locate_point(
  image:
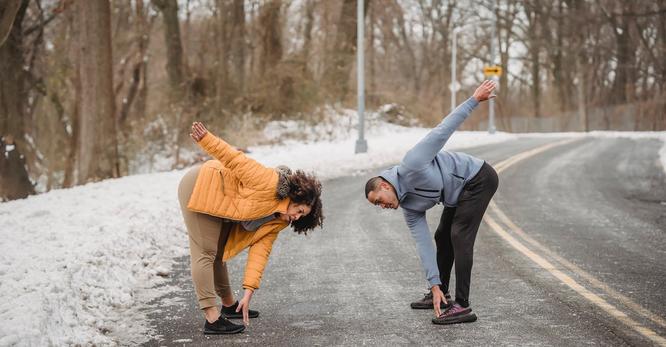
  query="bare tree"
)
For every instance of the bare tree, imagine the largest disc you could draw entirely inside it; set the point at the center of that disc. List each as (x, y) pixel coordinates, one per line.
(237, 44)
(97, 145)
(534, 42)
(622, 25)
(271, 44)
(8, 11)
(338, 68)
(174, 66)
(14, 179)
(307, 34)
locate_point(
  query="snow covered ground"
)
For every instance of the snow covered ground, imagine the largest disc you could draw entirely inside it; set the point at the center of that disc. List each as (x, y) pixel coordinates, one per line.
(78, 266)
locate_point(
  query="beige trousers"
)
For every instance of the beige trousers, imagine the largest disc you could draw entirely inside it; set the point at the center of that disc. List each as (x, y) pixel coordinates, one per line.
(207, 235)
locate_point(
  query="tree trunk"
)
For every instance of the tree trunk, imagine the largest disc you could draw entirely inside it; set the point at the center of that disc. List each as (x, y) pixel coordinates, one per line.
(97, 147)
(307, 34)
(534, 21)
(624, 84)
(174, 67)
(223, 84)
(559, 66)
(271, 45)
(14, 181)
(505, 35)
(8, 11)
(372, 85)
(238, 44)
(341, 60)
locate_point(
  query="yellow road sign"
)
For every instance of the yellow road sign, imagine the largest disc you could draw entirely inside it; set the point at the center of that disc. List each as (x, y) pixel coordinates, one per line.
(494, 70)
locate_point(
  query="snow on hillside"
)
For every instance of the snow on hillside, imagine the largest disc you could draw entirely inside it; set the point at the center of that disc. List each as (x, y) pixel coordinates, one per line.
(78, 266)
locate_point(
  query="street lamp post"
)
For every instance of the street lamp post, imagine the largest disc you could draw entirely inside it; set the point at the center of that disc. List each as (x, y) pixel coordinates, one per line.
(361, 144)
(454, 83)
(454, 86)
(493, 59)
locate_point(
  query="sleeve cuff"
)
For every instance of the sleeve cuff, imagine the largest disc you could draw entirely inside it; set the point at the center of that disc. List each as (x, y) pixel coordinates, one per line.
(206, 138)
(472, 101)
(434, 282)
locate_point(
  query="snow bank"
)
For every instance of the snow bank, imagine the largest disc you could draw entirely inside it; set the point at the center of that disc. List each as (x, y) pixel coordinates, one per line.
(78, 265)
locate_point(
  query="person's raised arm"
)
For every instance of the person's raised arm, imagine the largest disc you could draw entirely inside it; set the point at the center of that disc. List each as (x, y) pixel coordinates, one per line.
(426, 149)
(244, 167)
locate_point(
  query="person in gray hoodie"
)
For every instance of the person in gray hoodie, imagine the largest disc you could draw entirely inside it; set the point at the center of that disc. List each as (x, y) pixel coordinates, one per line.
(464, 184)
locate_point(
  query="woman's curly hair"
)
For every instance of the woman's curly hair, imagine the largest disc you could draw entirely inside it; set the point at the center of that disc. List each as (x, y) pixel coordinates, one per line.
(306, 189)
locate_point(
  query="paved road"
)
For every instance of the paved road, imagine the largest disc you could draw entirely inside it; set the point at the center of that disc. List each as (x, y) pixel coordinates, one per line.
(598, 203)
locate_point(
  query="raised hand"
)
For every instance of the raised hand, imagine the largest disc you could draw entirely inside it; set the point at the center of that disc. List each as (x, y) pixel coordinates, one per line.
(198, 131)
(485, 91)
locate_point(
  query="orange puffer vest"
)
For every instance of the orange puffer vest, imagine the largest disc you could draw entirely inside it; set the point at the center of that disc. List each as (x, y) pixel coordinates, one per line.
(239, 188)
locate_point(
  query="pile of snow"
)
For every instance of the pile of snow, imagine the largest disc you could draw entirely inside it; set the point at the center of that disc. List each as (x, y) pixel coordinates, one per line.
(327, 148)
(79, 266)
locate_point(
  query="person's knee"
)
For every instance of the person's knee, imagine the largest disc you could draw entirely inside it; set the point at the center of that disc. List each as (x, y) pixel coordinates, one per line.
(204, 258)
(462, 245)
(440, 236)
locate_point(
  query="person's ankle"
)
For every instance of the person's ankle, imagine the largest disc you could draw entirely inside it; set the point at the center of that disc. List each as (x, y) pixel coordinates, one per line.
(211, 314)
(228, 303)
(462, 303)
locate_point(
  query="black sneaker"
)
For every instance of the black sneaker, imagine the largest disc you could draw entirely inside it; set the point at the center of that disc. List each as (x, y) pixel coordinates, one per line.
(222, 326)
(456, 314)
(230, 312)
(426, 302)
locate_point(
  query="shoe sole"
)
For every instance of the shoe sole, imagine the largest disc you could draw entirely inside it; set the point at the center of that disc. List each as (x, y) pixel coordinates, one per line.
(466, 318)
(426, 307)
(215, 332)
(236, 316)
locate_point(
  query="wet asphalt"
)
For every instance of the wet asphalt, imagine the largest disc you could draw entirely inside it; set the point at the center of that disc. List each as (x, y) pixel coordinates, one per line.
(600, 203)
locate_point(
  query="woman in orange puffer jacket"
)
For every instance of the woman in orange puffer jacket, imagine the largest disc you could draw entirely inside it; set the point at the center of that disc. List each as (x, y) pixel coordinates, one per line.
(233, 203)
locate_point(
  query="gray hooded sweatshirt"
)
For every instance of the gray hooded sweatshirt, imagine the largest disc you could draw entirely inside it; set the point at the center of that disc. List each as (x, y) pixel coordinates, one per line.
(428, 176)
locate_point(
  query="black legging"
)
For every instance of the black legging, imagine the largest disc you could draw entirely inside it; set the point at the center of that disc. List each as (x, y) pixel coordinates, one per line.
(457, 230)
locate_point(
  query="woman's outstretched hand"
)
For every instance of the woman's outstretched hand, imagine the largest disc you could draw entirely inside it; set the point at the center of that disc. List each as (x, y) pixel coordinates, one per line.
(198, 131)
(485, 91)
(244, 306)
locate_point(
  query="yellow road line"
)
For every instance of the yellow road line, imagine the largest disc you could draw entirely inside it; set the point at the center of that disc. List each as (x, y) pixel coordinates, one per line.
(574, 268)
(564, 278)
(504, 164)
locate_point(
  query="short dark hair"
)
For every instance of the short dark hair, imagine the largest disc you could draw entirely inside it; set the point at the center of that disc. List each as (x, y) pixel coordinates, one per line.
(306, 189)
(372, 184)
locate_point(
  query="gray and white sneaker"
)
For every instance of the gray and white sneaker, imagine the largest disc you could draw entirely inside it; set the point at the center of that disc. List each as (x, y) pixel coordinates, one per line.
(426, 302)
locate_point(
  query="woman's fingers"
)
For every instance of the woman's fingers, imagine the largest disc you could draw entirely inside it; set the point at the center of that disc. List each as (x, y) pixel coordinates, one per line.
(246, 316)
(198, 131)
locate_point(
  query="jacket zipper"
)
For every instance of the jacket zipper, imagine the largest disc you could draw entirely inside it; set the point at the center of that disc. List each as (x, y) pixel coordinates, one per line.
(427, 190)
(424, 196)
(462, 178)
